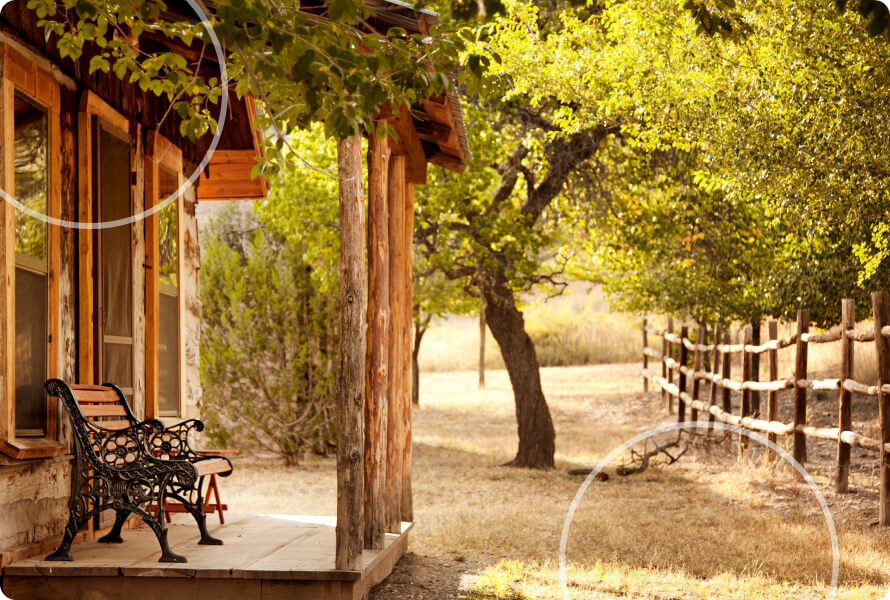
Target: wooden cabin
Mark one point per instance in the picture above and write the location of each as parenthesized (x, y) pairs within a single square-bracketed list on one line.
[(121, 304)]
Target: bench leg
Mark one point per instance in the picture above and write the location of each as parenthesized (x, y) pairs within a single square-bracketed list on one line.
[(64, 550), (114, 536), (196, 509)]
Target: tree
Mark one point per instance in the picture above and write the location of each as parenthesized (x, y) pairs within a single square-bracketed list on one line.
[(774, 126), (304, 65), (269, 342)]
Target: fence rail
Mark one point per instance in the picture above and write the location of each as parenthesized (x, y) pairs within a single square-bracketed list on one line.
[(675, 360)]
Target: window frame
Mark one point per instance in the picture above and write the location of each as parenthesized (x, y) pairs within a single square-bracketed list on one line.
[(159, 151), (22, 76)]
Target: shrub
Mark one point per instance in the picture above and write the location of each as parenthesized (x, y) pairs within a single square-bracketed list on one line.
[(269, 342)]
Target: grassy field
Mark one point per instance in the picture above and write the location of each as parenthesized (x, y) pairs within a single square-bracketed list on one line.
[(707, 527)]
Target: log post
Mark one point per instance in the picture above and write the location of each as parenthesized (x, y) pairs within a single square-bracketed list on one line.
[(845, 397), (396, 355), (747, 334), (668, 351), (696, 367), (715, 370), (754, 375), (772, 409), (407, 502), (645, 358), (351, 384), (684, 356), (800, 392), (880, 302), (377, 385)]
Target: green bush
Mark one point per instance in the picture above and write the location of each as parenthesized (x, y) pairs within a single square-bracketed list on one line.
[(269, 343)]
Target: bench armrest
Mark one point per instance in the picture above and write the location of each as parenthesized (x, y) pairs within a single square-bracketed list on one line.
[(172, 443)]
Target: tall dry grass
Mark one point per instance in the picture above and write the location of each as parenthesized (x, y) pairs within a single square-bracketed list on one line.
[(576, 328)]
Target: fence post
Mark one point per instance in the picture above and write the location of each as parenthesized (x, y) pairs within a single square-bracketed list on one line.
[(880, 302), (669, 353), (696, 367), (727, 372), (772, 409), (645, 358), (747, 335), (800, 392), (754, 371), (665, 372), (845, 400), (715, 369), (684, 358)]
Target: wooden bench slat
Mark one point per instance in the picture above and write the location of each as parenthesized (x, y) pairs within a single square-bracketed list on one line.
[(118, 424), (105, 395), (103, 410), (215, 465)]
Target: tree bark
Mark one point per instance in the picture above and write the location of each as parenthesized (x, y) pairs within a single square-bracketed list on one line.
[(351, 384), (420, 327), (482, 348), (537, 438)]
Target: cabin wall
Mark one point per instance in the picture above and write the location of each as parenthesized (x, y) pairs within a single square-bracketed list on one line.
[(34, 493)]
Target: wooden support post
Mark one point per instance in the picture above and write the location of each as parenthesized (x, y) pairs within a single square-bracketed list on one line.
[(407, 501), (696, 366), (772, 409), (395, 415), (800, 393), (880, 302), (746, 394), (669, 353), (645, 358), (845, 397), (351, 385), (684, 356), (727, 372), (377, 384), (715, 369)]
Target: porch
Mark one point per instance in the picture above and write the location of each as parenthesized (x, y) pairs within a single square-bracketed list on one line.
[(263, 557)]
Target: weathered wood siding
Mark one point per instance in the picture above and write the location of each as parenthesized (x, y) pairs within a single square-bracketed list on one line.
[(190, 325)]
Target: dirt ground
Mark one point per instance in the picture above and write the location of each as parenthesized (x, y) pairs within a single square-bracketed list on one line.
[(713, 525)]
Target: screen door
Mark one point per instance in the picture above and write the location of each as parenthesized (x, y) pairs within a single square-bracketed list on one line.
[(113, 251)]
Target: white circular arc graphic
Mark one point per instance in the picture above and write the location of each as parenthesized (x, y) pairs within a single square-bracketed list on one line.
[(223, 112), (564, 538)]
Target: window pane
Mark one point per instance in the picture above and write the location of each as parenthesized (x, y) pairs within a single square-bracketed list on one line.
[(168, 228), (31, 281), (30, 352), (31, 183), (168, 317), (168, 354)]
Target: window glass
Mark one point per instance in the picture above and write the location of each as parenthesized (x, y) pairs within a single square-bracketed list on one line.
[(31, 267), (168, 309)]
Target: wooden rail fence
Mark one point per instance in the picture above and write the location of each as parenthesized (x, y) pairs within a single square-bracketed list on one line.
[(674, 358)]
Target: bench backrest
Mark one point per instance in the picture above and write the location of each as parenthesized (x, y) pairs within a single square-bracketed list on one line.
[(102, 422)]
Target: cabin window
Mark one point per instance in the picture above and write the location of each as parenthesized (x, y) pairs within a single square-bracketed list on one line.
[(31, 267), (168, 291), (30, 141)]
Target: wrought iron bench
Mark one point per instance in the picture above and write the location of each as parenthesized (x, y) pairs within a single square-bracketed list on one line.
[(130, 466)]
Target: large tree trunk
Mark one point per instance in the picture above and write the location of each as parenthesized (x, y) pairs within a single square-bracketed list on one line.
[(537, 437)]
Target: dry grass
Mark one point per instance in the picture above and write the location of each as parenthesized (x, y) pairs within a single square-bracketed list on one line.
[(576, 328), (709, 527)]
